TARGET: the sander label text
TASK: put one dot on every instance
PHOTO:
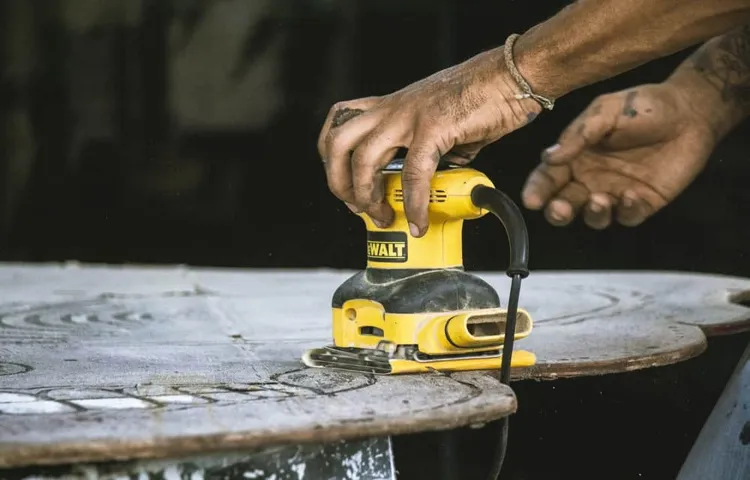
(387, 247)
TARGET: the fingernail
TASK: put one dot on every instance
(413, 229)
(627, 202)
(549, 151)
(531, 201)
(595, 207)
(379, 223)
(352, 207)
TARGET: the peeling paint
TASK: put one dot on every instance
(253, 474)
(356, 460)
(299, 469)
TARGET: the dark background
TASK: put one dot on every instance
(98, 166)
(142, 188)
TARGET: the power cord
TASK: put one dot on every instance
(511, 217)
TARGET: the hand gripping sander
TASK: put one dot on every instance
(414, 308)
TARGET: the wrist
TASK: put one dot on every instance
(515, 108)
(538, 67)
(702, 103)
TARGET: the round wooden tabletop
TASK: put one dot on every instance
(98, 363)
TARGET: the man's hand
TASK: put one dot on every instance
(626, 156)
(452, 115)
(458, 111)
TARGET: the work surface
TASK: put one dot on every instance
(101, 363)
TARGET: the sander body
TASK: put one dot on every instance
(414, 308)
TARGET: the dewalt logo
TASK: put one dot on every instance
(387, 247)
(386, 250)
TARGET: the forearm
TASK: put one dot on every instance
(716, 80)
(592, 40)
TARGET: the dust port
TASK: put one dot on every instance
(371, 331)
(485, 325)
(492, 325)
(350, 314)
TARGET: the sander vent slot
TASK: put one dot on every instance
(436, 196)
(371, 331)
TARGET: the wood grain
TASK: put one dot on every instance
(100, 363)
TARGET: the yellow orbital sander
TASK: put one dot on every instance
(414, 308)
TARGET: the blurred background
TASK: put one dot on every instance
(184, 131)
(165, 131)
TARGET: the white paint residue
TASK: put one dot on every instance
(352, 465)
(37, 406)
(197, 476)
(299, 469)
(253, 474)
(16, 397)
(172, 473)
(178, 399)
(116, 403)
(79, 318)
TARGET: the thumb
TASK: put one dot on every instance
(588, 129)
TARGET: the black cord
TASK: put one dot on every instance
(518, 238)
(510, 333)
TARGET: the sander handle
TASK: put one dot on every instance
(505, 209)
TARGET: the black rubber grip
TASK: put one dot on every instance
(501, 205)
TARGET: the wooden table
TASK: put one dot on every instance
(198, 369)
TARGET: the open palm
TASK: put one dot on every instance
(625, 157)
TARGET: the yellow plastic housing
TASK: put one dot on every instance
(365, 324)
(441, 247)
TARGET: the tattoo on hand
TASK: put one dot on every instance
(725, 63)
(628, 109)
(344, 115)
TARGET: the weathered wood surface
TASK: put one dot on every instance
(722, 450)
(100, 363)
(586, 323)
(590, 323)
